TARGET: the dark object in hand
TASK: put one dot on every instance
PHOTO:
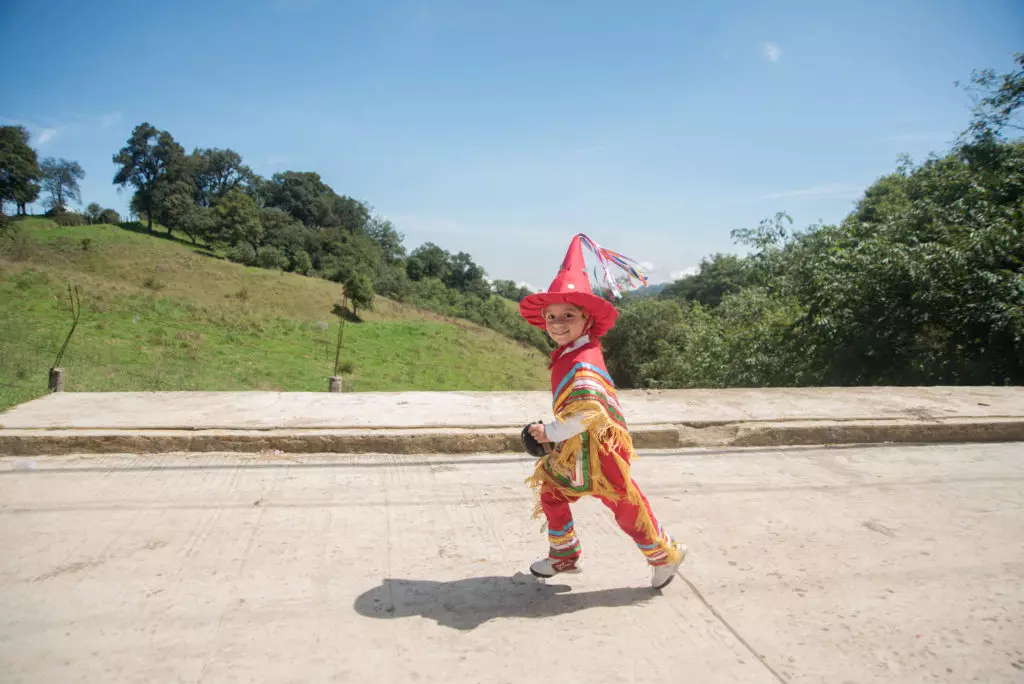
(530, 443)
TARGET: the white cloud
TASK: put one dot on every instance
(647, 266)
(45, 135)
(679, 275)
(528, 286)
(772, 51)
(831, 191)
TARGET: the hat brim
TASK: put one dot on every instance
(601, 310)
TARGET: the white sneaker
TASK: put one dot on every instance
(549, 567)
(664, 574)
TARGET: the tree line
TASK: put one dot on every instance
(292, 221)
(921, 284)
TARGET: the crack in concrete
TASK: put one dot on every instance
(732, 630)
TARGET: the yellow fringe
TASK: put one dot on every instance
(604, 435)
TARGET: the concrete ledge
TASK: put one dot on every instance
(28, 442)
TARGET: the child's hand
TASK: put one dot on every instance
(539, 433)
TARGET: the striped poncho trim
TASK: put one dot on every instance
(574, 468)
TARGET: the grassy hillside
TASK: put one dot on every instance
(162, 315)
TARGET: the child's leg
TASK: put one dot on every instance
(562, 540)
(659, 549)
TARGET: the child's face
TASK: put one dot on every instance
(564, 322)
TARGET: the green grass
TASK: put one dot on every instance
(160, 315)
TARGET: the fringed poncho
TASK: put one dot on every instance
(581, 386)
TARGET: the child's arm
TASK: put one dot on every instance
(557, 431)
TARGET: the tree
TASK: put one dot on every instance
(466, 276)
(19, 168)
(720, 275)
(61, 179)
(997, 100)
(633, 341)
(174, 207)
(390, 240)
(344, 213)
(359, 291)
(351, 253)
(299, 194)
(216, 172)
(238, 220)
(428, 261)
(509, 290)
(284, 232)
(93, 212)
(151, 156)
(109, 216)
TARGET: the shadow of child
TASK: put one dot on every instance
(468, 603)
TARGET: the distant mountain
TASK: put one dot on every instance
(649, 291)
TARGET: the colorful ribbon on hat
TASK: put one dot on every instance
(606, 258)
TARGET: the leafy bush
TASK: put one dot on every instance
(109, 216)
(271, 257)
(300, 262)
(242, 253)
(68, 218)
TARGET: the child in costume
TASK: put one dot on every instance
(591, 446)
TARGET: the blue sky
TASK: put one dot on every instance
(502, 129)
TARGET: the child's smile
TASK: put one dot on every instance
(564, 322)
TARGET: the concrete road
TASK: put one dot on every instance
(879, 564)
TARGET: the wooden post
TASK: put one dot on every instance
(57, 379)
(335, 383)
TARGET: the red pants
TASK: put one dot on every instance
(562, 531)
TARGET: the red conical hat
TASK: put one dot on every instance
(572, 286)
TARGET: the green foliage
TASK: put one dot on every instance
(174, 207)
(998, 100)
(718, 276)
(509, 290)
(242, 253)
(491, 311)
(68, 218)
(359, 291)
(299, 262)
(61, 178)
(272, 257)
(428, 261)
(635, 339)
(306, 197)
(187, 330)
(19, 168)
(150, 157)
(92, 212)
(740, 343)
(390, 240)
(216, 172)
(922, 284)
(238, 220)
(109, 216)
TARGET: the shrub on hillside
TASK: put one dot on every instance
(109, 216)
(272, 257)
(300, 262)
(69, 218)
(243, 253)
